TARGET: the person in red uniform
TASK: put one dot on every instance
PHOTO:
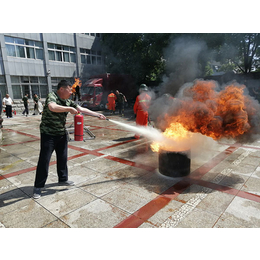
(111, 98)
(141, 107)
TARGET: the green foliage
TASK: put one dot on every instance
(137, 54)
(142, 54)
(208, 70)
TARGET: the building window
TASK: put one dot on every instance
(90, 56)
(3, 89)
(22, 48)
(93, 34)
(61, 53)
(55, 81)
(22, 85)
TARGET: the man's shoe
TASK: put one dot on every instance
(37, 193)
(67, 183)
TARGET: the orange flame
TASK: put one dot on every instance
(174, 132)
(76, 83)
(211, 113)
(215, 114)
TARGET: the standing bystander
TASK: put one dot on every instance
(121, 99)
(7, 101)
(25, 103)
(36, 106)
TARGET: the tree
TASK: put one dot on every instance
(137, 54)
(241, 49)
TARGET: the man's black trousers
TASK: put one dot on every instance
(8, 111)
(50, 143)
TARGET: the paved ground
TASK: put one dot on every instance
(118, 183)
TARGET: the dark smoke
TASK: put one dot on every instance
(184, 59)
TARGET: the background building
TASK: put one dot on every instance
(36, 62)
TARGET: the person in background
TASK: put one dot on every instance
(141, 107)
(25, 103)
(77, 93)
(7, 102)
(35, 100)
(121, 99)
(111, 98)
(54, 136)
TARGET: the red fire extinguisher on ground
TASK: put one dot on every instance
(78, 127)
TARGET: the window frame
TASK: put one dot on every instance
(20, 46)
(60, 51)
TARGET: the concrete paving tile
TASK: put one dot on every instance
(251, 160)
(12, 199)
(35, 144)
(161, 216)
(228, 223)
(141, 154)
(28, 154)
(252, 185)
(129, 197)
(244, 169)
(24, 182)
(7, 141)
(6, 185)
(62, 202)
(80, 174)
(216, 202)
(30, 215)
(103, 165)
(244, 212)
(56, 224)
(211, 176)
(235, 181)
(198, 219)
(81, 160)
(101, 185)
(4, 154)
(17, 149)
(192, 193)
(97, 214)
(255, 153)
(256, 173)
(72, 152)
(117, 189)
(222, 166)
(16, 165)
(126, 173)
(118, 150)
(147, 225)
(154, 182)
(232, 157)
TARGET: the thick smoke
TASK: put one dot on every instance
(184, 58)
(183, 64)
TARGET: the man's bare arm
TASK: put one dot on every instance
(59, 109)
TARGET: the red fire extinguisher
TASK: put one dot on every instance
(78, 127)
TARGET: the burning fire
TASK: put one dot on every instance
(215, 114)
(174, 132)
(76, 83)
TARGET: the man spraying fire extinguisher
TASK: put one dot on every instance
(53, 134)
(141, 107)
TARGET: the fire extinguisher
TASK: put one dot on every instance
(78, 127)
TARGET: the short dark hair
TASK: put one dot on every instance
(63, 84)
